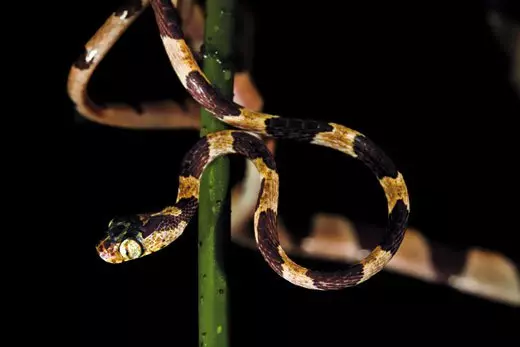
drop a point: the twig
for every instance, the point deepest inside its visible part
(214, 209)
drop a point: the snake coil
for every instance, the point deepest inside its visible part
(136, 236)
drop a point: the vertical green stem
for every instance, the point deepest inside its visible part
(214, 209)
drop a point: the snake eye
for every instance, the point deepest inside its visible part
(130, 249)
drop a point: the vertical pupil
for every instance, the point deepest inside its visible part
(131, 248)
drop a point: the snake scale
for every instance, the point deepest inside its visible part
(132, 237)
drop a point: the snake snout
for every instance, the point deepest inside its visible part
(108, 252)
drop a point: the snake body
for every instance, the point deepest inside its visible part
(475, 271)
(133, 237)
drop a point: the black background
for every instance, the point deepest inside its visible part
(425, 80)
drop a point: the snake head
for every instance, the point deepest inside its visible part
(123, 241)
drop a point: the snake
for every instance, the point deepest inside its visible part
(133, 237)
(485, 273)
(471, 270)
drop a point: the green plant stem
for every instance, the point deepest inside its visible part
(214, 208)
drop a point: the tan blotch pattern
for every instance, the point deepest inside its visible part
(332, 237)
(167, 211)
(249, 120)
(269, 198)
(188, 187)
(220, 143)
(340, 138)
(374, 262)
(181, 58)
(162, 238)
(490, 275)
(96, 49)
(414, 257)
(295, 273)
(395, 189)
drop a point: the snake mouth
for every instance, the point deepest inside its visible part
(108, 251)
